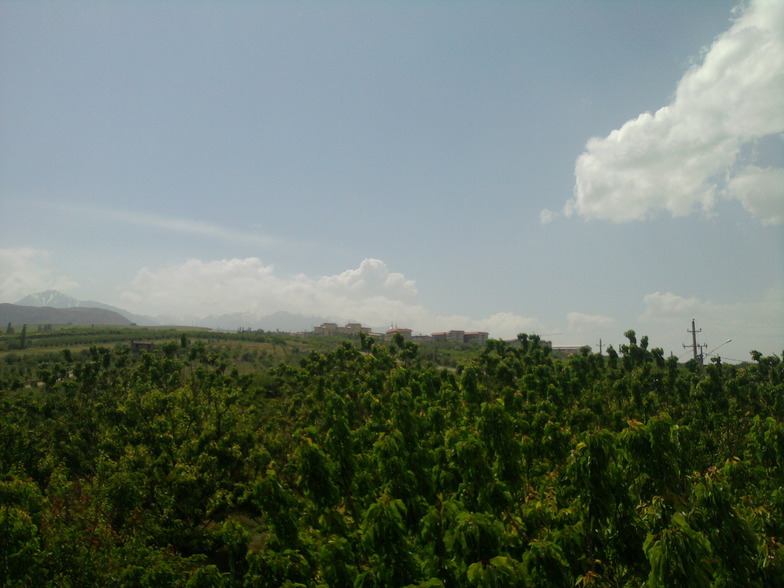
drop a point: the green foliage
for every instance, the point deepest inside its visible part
(20, 546)
(679, 556)
(262, 460)
(545, 565)
(497, 572)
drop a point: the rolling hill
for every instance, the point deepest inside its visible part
(18, 314)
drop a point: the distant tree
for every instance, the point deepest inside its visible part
(9, 330)
(612, 354)
(363, 341)
(23, 337)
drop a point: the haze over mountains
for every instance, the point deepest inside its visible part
(49, 306)
(58, 300)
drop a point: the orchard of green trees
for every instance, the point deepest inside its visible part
(370, 466)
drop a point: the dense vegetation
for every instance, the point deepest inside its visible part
(367, 465)
(24, 347)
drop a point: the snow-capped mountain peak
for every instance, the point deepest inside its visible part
(51, 298)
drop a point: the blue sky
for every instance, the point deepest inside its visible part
(573, 169)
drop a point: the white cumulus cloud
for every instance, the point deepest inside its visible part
(547, 216)
(369, 293)
(754, 187)
(671, 306)
(686, 155)
(579, 322)
(370, 278)
(25, 270)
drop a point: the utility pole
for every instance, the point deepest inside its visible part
(600, 345)
(694, 346)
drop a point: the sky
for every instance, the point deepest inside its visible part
(570, 169)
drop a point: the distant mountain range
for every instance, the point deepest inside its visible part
(41, 307)
(55, 299)
(18, 314)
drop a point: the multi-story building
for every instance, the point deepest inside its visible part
(479, 337)
(570, 349)
(406, 333)
(333, 329)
